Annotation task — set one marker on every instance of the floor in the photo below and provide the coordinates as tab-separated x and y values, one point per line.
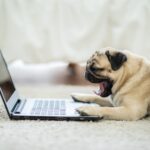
55	135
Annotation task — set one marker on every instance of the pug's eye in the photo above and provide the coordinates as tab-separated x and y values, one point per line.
94	69
101	69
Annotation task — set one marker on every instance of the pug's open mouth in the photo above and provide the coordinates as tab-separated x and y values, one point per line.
104	89
105	84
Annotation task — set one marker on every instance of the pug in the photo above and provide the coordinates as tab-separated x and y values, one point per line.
124	85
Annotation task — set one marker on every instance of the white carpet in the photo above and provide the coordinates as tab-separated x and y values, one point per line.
55	135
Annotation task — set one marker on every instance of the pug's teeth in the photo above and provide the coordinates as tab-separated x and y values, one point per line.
97	92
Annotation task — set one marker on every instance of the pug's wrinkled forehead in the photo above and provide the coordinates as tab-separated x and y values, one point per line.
114	57
98	59
102	52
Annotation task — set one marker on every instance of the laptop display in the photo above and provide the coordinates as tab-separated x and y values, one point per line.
6	83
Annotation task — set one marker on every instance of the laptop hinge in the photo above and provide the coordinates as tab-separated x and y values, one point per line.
18	106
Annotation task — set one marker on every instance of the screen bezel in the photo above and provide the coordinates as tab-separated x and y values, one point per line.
9	104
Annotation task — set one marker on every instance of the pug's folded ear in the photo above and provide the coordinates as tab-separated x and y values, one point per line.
116	60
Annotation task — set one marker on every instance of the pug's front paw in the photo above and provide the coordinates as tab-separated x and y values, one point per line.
84	98
89	111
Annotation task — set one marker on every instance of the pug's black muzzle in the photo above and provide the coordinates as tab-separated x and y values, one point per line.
90	77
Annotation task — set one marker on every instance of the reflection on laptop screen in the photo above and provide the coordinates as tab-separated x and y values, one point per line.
6	83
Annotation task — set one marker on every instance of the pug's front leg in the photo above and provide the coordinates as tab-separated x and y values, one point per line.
112	113
90	98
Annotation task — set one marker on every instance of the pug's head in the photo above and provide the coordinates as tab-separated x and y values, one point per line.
104	68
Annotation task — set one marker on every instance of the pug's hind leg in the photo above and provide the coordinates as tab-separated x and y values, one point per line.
90	98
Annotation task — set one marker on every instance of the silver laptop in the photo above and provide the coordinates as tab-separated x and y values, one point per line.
45	109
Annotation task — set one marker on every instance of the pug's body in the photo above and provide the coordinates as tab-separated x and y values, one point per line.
123	76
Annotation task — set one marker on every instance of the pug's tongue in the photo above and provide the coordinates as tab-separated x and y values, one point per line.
102	87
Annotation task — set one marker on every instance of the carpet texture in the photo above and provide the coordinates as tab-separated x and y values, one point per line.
55	135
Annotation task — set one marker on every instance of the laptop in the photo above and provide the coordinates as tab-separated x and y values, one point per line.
45	109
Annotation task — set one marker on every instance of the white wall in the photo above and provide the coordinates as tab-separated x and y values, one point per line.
44	30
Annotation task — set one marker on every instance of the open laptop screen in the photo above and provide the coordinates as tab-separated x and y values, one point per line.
6	83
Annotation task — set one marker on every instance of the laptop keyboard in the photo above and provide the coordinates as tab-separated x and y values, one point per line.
49	107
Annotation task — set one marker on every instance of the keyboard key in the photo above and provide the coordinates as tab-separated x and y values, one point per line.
62	112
